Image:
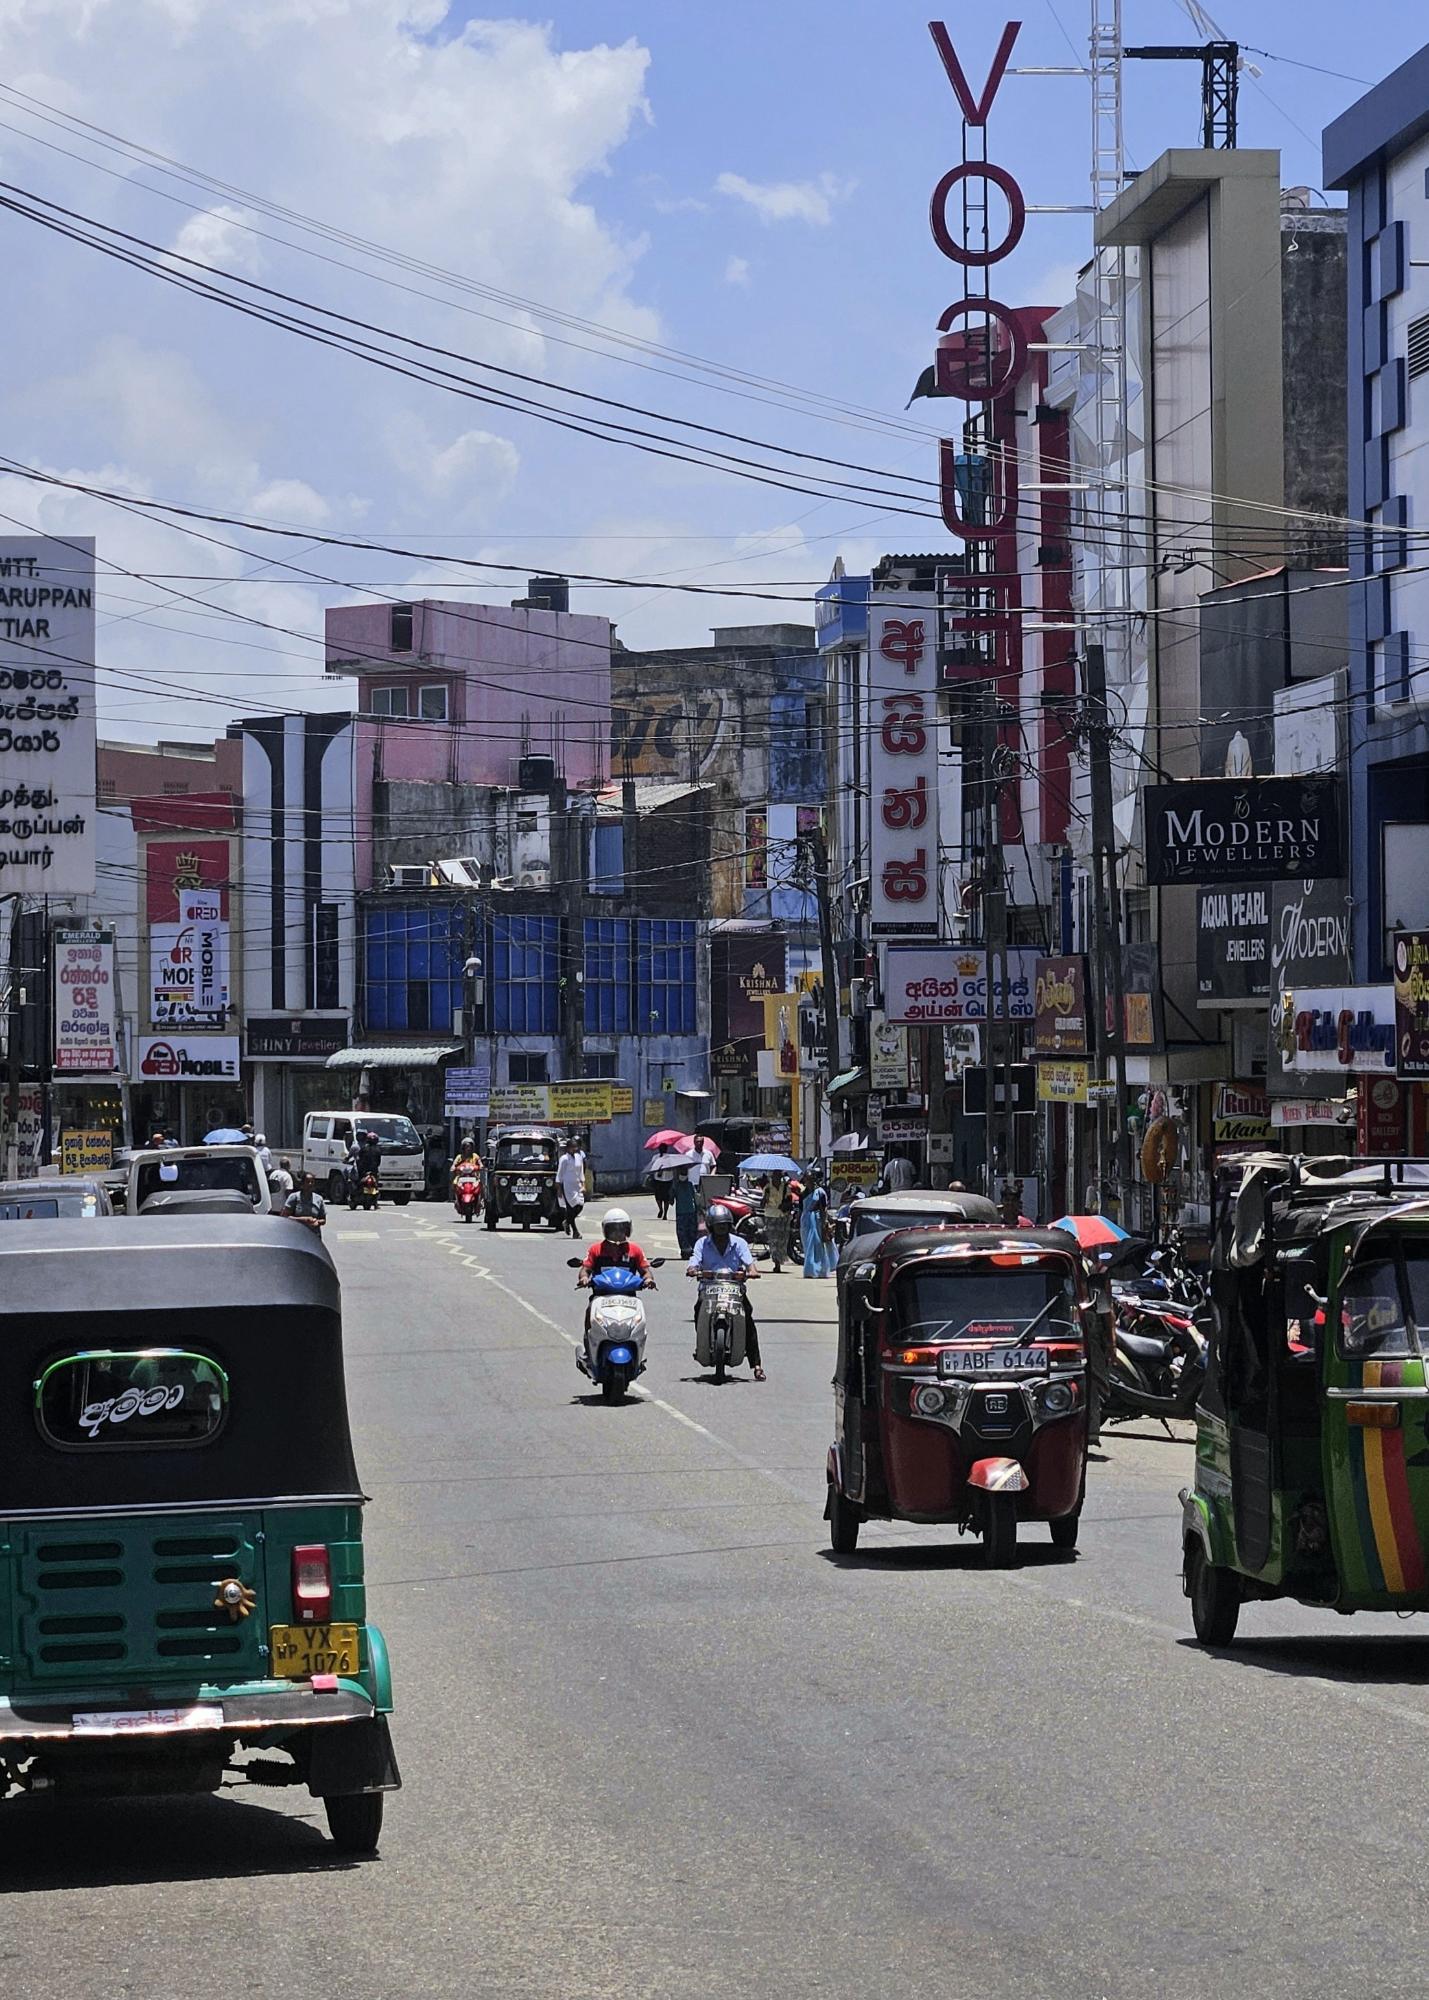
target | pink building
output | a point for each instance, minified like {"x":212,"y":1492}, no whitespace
{"x":460,"y":694}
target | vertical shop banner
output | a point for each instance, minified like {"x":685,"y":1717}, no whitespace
{"x":903,"y":776}
{"x":47,"y":748}
{"x":84,"y":1003}
{"x":887,"y":1055}
{"x":1309,"y":946}
{"x":1411,"y":1003}
{"x":174,"y":867}
{"x":1233,"y":944}
{"x":1060,"y":1024}
{"x":188,"y":964}
{"x":781,"y":1035}
{"x":746,"y":967}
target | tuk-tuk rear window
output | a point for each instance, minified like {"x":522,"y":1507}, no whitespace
{"x":195,"y":1170}
{"x":525,"y":1153}
{"x":1384,"y":1301}
{"x":965,"y":1301}
{"x":107,"y":1399}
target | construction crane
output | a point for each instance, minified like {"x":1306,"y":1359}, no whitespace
{"x":1220,"y":64}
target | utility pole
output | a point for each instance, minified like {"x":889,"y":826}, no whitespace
{"x":11,"y":1160}
{"x":816,"y":856}
{"x":997,"y":1055}
{"x":1107,"y":907}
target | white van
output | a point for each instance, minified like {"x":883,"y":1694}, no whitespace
{"x":328,"y":1134}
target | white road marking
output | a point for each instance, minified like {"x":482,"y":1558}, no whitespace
{"x":357,"y":1235}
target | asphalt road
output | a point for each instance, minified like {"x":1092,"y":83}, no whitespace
{"x":657,"y":1742}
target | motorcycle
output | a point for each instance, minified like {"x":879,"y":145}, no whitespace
{"x":365,"y":1193}
{"x":613,"y":1354}
{"x":466,"y":1194}
{"x":720,"y":1324}
{"x":1159,"y":1360}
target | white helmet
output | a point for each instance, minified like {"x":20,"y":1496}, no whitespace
{"x":615,"y":1225}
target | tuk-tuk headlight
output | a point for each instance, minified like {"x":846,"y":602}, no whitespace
{"x":930,"y":1400}
{"x":1056,"y":1399}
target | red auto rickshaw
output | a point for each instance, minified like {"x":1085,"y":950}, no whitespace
{"x":961,"y":1390}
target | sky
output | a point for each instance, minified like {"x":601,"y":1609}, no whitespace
{"x":718,"y":214}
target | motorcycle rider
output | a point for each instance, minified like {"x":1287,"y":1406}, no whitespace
{"x":614,"y":1248}
{"x":722,"y":1253}
{"x":364,"y":1156}
{"x":468,"y":1159}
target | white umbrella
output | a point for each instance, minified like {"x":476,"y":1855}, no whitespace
{"x":850,"y":1142}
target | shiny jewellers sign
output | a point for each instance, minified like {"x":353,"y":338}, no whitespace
{"x":1242,"y":830}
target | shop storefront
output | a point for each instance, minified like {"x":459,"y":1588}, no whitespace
{"x":287,"y":1074}
{"x":187,"y":1085}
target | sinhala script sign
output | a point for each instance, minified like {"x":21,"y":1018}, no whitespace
{"x":47,"y":715}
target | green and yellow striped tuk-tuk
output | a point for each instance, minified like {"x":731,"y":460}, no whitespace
{"x":1312,"y":1454}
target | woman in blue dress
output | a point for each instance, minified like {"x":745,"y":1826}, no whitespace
{"x":813,"y":1214}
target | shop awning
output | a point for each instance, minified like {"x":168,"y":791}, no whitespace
{"x":419,"y":1056}
{"x":846,"y":1080}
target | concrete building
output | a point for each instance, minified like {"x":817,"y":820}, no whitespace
{"x":1378,"y":153}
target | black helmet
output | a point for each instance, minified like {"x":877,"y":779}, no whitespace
{"x":719,"y":1217}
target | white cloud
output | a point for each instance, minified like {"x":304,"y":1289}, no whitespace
{"x":788,"y":201}
{"x":736,"y":271}
{"x":292,"y":501}
{"x":220,"y":238}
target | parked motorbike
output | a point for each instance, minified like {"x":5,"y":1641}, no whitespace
{"x":721,"y":1329}
{"x":466,"y":1194}
{"x":613,"y":1354}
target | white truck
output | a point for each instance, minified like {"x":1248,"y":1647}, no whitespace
{"x":327,"y":1135}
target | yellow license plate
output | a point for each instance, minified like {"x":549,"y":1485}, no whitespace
{"x":300,"y":1651}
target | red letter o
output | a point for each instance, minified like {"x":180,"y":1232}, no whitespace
{"x":938,"y":214}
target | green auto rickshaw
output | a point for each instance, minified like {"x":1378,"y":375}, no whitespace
{"x":181,"y":1575}
{"x":1312,"y":1458}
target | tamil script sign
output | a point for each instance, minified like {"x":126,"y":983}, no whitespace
{"x":47,"y":768}
{"x":928,"y":986}
{"x":1411,"y":1003}
{"x":1242,"y":829}
{"x":520,"y":1104}
{"x":580,"y":1103}
{"x":903,"y":774}
{"x":85,"y":1042}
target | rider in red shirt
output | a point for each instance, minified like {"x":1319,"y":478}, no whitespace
{"x":615,"y":1247}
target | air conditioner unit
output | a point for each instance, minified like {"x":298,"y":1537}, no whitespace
{"x":409,"y":875}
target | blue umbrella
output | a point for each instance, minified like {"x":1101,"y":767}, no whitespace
{"x":225,"y":1135}
{"x":769,"y":1163}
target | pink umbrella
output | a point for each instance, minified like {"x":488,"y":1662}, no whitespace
{"x":681,"y":1142}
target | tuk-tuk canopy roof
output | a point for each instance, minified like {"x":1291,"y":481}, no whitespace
{"x":259,"y":1297}
{"x":975,"y":1242}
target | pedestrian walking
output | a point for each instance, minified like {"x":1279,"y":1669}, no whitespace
{"x":570,"y":1187}
{"x":814,"y":1227}
{"x":687,"y":1212}
{"x":778,"y":1204}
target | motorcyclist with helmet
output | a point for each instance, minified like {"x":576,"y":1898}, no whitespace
{"x":614,"y":1247}
{"x":468,"y":1159}
{"x":721,"y":1253}
{"x":364,"y":1157}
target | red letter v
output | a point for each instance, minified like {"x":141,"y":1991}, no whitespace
{"x":974,"y":112}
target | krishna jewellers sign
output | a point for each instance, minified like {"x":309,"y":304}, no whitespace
{"x":1242,"y":830}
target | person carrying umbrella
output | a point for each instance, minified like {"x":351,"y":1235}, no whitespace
{"x":687,"y":1211}
{"x":778,"y":1206}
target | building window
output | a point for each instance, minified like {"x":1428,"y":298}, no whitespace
{"x":399,"y":634}
{"x":412,"y":963}
{"x":602,"y":1065}
{"x":432,"y":702}
{"x":607,"y":976}
{"x":607,"y":858}
{"x":324,"y":980}
{"x":524,"y":1068}
{"x":388,"y":701}
{"x":665,"y":977}
{"x":526,"y":994}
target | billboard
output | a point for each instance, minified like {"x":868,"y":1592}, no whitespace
{"x":85,"y":1043}
{"x":188,"y":964}
{"x":931,"y":986}
{"x":172,"y":867}
{"x":1411,"y":1003}
{"x":1242,"y":830}
{"x":903,"y":775}
{"x":186,"y":1059}
{"x":746,"y":967}
{"x":1233,"y":945}
{"x":1060,"y":1021}
{"x":1338,"y":1030}
{"x":47,"y":748}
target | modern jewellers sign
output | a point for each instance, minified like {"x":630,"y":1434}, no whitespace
{"x":1242,"y":830}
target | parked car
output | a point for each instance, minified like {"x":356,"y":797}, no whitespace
{"x":327,"y":1136}
{"x":58,"y":1195}
{"x":172,"y":1170}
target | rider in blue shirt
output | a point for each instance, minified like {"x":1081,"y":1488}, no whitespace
{"x":722,"y":1252}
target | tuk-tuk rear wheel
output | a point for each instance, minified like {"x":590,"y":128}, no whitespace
{"x":1064,"y":1532}
{"x":999,"y":1530}
{"x":1215,"y":1598}
{"x":355,"y":1821}
{"x":844,"y":1523}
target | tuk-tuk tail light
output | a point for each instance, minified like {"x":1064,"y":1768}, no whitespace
{"x":312,"y":1583}
{"x":919,"y":1357}
{"x":1373,"y":1416}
